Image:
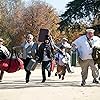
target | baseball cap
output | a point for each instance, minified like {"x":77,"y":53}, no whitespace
{"x":65,"y":39}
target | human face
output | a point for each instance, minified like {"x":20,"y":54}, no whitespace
{"x":90,"y":35}
{"x":29,"y":38}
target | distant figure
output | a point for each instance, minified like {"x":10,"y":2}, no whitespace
{"x":85,"y":45}
{"x":4,"y":53}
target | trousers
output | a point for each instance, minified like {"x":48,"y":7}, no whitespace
{"x":85,"y":64}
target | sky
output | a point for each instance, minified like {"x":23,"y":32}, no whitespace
{"x":59,"y":5}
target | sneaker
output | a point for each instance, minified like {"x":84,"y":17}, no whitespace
{"x":95,"y":81}
{"x":83,"y":83}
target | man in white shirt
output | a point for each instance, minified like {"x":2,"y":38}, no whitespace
{"x":85,"y":45}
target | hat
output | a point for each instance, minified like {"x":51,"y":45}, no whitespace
{"x":90,"y":30}
{"x":65,"y":39}
{"x":1,"y":40}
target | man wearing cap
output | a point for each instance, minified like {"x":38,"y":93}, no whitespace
{"x":85,"y":45}
{"x":4,"y":53}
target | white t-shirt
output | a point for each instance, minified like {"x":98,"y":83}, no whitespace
{"x":84,"y":49}
{"x":45,"y":57}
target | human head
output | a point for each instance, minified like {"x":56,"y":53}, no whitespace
{"x":90,"y":33}
{"x":29,"y":38}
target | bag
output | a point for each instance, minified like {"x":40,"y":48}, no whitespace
{"x":42,"y":34}
{"x":73,"y":58}
{"x":52,"y":65}
{"x":32,"y":65}
{"x":11,"y":65}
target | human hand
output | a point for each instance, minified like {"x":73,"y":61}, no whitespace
{"x":13,"y":48}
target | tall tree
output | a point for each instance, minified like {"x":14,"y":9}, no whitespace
{"x":79,"y":12}
{"x":40,"y":15}
{"x":7,"y":11}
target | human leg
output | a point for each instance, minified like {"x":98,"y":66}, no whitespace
{"x":84,"y":73}
{"x":43,"y":72}
{"x":59,"y":70}
{"x":28,"y":73}
{"x":63,"y":72}
{"x":1,"y":75}
{"x":95,"y":72}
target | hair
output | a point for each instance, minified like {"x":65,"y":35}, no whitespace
{"x":30,"y":35}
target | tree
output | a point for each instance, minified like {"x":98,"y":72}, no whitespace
{"x":7,"y":11}
{"x":40,"y":15}
{"x":79,"y":12}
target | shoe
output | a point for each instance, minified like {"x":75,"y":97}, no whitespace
{"x":55,"y":74}
{"x":27,"y":80}
{"x":83,"y":83}
{"x":59,"y":76}
{"x":43,"y":81}
{"x":99,"y":78}
{"x":62,"y":77}
{"x":95,"y":81}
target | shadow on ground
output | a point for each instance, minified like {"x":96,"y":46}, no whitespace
{"x":37,"y":83}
